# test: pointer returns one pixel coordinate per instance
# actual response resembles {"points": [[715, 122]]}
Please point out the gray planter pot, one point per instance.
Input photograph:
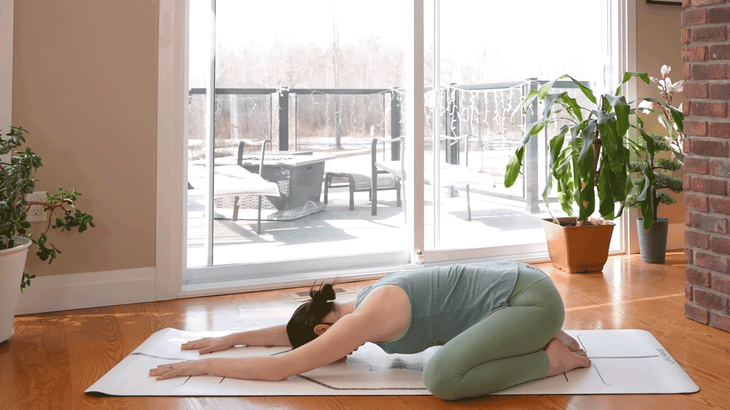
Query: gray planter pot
{"points": [[653, 242]]}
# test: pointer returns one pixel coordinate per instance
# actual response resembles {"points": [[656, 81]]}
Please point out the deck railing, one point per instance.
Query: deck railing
{"points": [[341, 119]]}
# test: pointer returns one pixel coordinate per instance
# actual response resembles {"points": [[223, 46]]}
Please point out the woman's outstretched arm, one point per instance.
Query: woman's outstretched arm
{"points": [[381, 316], [270, 336], [342, 338]]}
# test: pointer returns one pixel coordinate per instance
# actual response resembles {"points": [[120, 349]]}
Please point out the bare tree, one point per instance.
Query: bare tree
{"points": [[335, 44], [335, 68]]}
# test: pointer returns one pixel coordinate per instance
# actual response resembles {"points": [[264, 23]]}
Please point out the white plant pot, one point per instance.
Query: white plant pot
{"points": [[12, 262]]}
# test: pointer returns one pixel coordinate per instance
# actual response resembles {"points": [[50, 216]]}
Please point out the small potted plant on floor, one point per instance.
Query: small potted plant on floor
{"points": [[589, 162], [16, 183], [659, 156]]}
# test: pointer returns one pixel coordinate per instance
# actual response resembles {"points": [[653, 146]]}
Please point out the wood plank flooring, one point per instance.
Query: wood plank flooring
{"points": [[54, 357]]}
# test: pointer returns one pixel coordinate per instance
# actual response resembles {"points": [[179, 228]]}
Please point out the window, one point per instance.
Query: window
{"points": [[319, 81]]}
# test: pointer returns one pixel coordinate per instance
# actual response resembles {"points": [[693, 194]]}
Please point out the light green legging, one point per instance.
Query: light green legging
{"points": [[504, 349]]}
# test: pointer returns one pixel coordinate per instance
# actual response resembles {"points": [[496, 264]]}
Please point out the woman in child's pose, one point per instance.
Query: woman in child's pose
{"points": [[499, 324]]}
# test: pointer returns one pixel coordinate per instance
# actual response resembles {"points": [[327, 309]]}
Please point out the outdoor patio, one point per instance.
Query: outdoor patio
{"points": [[498, 219], [340, 124]]}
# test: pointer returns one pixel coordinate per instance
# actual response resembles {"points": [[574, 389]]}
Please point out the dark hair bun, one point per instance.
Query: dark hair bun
{"points": [[300, 327], [323, 294]]}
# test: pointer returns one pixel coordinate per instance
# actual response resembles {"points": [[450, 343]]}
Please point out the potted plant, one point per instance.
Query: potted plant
{"points": [[659, 156], [16, 183], [591, 168]]}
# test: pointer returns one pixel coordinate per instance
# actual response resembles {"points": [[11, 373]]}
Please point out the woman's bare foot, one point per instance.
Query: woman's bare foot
{"points": [[568, 341], [562, 360]]}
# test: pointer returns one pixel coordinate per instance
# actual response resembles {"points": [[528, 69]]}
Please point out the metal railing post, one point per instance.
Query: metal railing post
{"points": [[284, 119], [296, 122], [338, 131], [395, 117], [452, 124], [532, 195]]}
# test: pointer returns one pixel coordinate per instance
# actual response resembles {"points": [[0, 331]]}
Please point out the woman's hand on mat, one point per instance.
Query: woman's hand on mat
{"points": [[209, 344], [186, 368]]}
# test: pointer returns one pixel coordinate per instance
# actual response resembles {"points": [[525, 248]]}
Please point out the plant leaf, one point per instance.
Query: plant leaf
{"points": [[678, 117], [650, 146], [526, 101], [532, 131], [586, 91], [572, 106], [556, 146], [605, 195], [647, 212], [513, 167], [612, 144], [630, 74], [587, 194], [622, 110], [589, 135], [545, 89], [654, 100], [644, 195], [549, 102]]}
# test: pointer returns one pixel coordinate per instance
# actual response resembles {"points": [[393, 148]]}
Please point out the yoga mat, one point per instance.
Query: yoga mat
{"points": [[624, 362]]}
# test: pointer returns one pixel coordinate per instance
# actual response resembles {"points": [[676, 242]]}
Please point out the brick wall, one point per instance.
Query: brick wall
{"points": [[706, 55]]}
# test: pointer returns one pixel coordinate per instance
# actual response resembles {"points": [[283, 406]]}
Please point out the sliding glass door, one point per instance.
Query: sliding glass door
{"points": [[482, 58], [306, 119]]}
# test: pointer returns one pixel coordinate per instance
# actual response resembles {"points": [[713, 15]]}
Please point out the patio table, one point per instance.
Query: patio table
{"points": [[298, 175]]}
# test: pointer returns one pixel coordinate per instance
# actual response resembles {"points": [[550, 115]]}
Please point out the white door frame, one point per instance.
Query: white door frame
{"points": [[171, 143]]}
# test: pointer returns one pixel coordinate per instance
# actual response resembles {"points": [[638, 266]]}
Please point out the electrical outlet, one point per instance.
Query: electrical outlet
{"points": [[35, 212]]}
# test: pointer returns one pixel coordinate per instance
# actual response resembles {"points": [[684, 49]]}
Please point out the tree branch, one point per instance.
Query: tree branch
{"points": [[52, 208]]}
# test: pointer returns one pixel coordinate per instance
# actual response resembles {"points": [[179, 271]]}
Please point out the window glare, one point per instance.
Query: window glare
{"points": [[289, 42], [487, 41]]}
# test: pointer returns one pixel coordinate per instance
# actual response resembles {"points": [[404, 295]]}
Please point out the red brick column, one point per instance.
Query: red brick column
{"points": [[706, 55]]}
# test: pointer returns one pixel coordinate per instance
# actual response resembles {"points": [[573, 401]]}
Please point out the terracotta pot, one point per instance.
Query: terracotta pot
{"points": [[576, 249]]}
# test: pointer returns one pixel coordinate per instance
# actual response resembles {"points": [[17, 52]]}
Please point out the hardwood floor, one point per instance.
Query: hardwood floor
{"points": [[54, 357]]}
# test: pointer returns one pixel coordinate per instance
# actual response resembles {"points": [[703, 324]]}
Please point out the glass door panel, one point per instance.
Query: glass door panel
{"points": [[482, 58], [316, 82]]}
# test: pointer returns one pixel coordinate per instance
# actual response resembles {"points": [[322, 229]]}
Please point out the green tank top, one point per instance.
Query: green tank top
{"points": [[446, 300]]}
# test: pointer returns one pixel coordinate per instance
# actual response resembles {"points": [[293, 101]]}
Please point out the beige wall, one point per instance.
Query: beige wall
{"points": [[6, 65], [658, 31], [85, 86]]}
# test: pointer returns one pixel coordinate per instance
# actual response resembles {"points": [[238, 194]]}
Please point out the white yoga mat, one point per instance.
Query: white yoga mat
{"points": [[624, 362]]}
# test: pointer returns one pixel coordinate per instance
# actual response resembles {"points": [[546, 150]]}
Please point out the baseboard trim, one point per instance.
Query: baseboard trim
{"points": [[87, 290], [125, 286]]}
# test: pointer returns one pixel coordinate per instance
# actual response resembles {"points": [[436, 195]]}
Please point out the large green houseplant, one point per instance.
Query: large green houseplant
{"points": [[16, 183], [658, 157], [589, 161], [654, 176]]}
